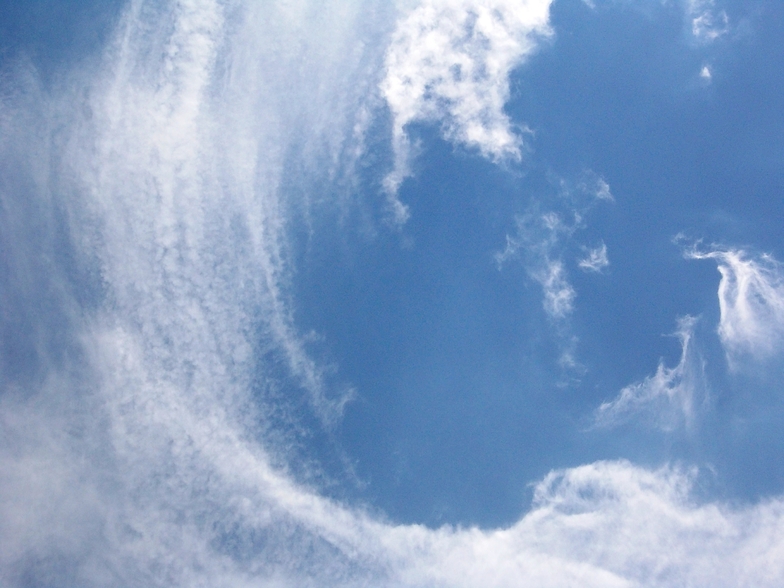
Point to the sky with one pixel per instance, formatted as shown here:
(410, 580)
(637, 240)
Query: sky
(418, 293)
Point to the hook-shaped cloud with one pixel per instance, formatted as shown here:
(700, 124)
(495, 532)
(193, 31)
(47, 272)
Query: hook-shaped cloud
(751, 301)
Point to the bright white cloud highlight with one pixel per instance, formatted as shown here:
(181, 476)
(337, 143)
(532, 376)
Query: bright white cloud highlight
(751, 301)
(667, 399)
(449, 63)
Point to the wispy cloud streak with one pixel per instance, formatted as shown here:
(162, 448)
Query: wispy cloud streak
(751, 301)
(595, 260)
(137, 455)
(539, 239)
(667, 399)
(164, 164)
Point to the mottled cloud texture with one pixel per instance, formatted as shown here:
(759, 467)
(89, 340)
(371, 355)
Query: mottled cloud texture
(146, 229)
(707, 22)
(448, 63)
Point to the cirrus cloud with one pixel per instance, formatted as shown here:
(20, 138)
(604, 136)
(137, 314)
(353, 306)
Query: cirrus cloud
(751, 302)
(449, 63)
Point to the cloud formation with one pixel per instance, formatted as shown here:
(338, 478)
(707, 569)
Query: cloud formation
(225, 519)
(667, 399)
(539, 240)
(707, 23)
(449, 63)
(751, 301)
(153, 178)
(138, 455)
(595, 259)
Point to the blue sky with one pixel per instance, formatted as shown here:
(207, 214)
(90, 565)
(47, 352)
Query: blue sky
(437, 293)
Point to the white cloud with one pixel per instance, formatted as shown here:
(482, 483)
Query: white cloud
(595, 260)
(541, 238)
(541, 241)
(449, 63)
(705, 73)
(222, 517)
(707, 24)
(751, 300)
(538, 239)
(595, 186)
(668, 398)
(558, 292)
(166, 176)
(139, 458)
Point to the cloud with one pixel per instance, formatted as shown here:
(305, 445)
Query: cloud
(541, 242)
(751, 301)
(558, 292)
(150, 278)
(595, 260)
(449, 64)
(205, 508)
(227, 519)
(595, 186)
(668, 398)
(539, 239)
(707, 24)
(139, 454)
